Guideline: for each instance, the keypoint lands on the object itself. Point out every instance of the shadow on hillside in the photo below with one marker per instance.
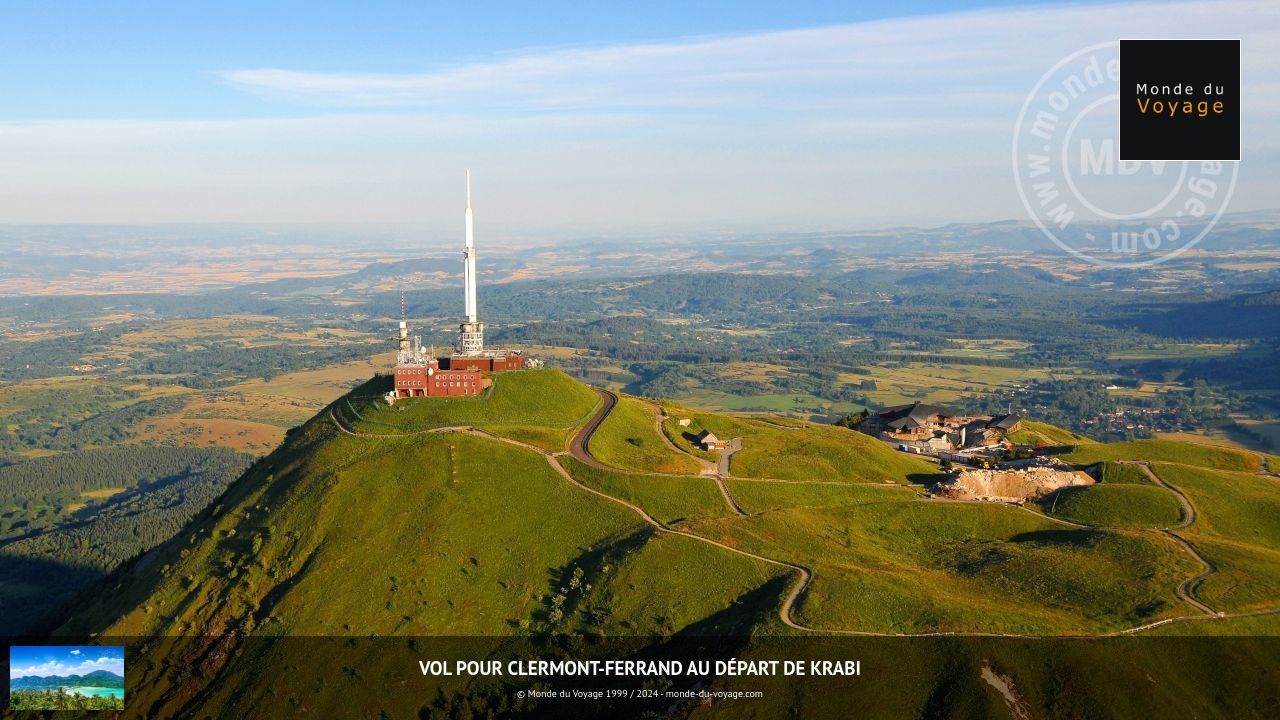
(926, 478)
(747, 612)
(570, 581)
(1074, 538)
(88, 514)
(34, 591)
(690, 438)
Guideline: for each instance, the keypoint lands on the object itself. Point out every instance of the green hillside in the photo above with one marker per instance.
(627, 440)
(543, 398)
(886, 559)
(379, 535)
(1237, 529)
(1038, 433)
(369, 523)
(1118, 505)
(668, 499)
(800, 451)
(1115, 473)
(1168, 451)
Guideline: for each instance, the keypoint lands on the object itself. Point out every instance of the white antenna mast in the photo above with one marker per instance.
(469, 258)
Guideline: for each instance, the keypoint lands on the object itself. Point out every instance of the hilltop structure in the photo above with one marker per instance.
(471, 331)
(471, 353)
(707, 440)
(937, 430)
(419, 373)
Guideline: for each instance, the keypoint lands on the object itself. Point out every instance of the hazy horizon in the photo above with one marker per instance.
(829, 121)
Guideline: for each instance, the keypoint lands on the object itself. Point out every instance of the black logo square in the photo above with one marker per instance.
(1179, 99)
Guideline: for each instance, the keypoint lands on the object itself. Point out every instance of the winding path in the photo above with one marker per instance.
(1188, 586)
(722, 472)
(579, 449)
(718, 471)
(705, 466)
(578, 445)
(1265, 469)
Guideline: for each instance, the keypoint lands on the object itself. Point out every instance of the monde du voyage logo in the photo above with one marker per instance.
(1124, 152)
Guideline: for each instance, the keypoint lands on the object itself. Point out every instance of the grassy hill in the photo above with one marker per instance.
(542, 403)
(354, 535)
(1237, 529)
(1167, 451)
(793, 450)
(627, 440)
(884, 558)
(1115, 473)
(668, 499)
(397, 531)
(539, 406)
(1118, 505)
(1038, 433)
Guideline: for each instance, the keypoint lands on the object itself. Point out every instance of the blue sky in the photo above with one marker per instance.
(43, 661)
(140, 60)
(575, 118)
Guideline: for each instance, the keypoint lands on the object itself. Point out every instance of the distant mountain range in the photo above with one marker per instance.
(97, 678)
(137, 263)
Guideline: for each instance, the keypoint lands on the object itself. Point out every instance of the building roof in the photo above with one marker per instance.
(907, 417)
(489, 353)
(706, 436)
(1004, 422)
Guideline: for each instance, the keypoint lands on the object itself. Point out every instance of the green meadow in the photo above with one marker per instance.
(666, 498)
(1166, 451)
(758, 496)
(542, 398)
(627, 439)
(1237, 529)
(888, 560)
(801, 451)
(412, 533)
(1118, 505)
(1116, 473)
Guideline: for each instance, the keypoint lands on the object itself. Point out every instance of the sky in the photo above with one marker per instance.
(574, 118)
(43, 661)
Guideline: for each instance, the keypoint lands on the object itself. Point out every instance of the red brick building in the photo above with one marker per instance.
(428, 380)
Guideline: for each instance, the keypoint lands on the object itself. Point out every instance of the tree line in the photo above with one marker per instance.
(52, 551)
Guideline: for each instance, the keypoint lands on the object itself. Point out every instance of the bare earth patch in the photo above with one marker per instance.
(1003, 684)
(1012, 486)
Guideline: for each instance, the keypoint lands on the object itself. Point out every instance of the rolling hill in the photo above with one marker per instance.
(485, 527)
(95, 679)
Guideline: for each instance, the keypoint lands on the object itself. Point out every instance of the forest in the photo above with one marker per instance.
(61, 699)
(89, 420)
(69, 519)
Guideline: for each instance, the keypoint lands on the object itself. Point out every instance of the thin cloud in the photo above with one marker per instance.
(823, 127)
(782, 70)
(54, 667)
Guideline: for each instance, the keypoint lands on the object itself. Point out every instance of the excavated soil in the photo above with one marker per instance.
(1012, 486)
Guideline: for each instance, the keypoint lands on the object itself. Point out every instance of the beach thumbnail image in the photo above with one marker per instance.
(66, 677)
